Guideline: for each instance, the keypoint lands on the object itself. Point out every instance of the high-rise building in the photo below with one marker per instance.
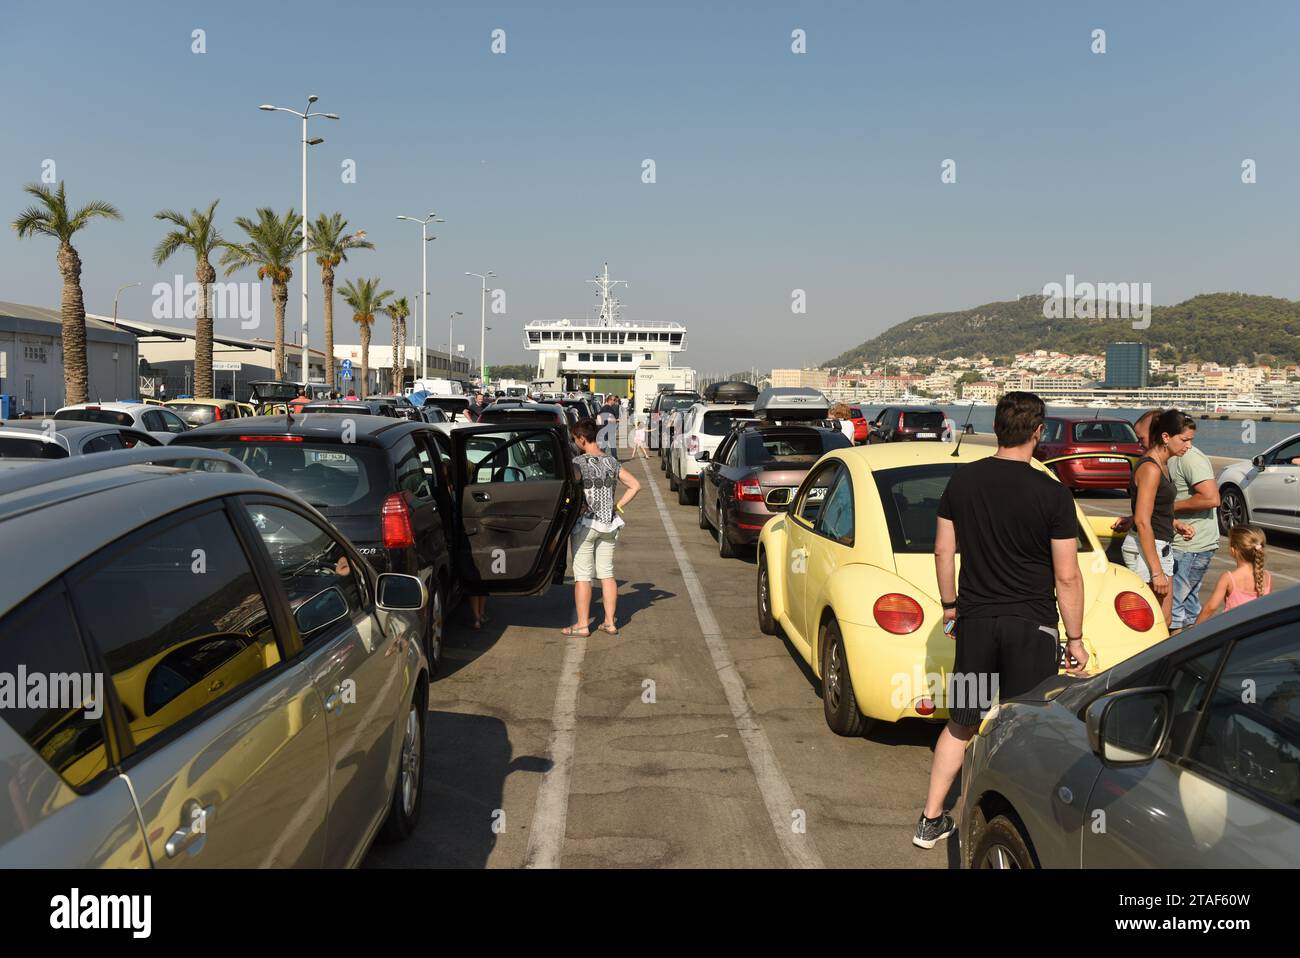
(1127, 365)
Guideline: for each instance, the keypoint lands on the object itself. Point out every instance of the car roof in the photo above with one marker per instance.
(200, 402)
(893, 455)
(71, 427)
(114, 406)
(326, 427)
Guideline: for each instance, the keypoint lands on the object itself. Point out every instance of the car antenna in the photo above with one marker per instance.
(969, 411)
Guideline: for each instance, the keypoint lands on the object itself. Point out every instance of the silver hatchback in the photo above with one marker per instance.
(1185, 756)
(175, 694)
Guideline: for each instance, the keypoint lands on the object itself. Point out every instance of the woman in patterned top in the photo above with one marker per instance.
(596, 533)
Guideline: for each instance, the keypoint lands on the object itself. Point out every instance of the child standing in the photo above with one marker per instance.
(596, 533)
(638, 440)
(1248, 580)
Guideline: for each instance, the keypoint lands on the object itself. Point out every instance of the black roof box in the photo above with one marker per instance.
(730, 392)
(789, 403)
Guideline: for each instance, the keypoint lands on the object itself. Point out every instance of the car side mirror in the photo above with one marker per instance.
(396, 592)
(1129, 727)
(702, 456)
(778, 500)
(1258, 462)
(322, 609)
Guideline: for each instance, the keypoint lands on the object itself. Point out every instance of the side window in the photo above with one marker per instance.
(1283, 455)
(106, 442)
(173, 422)
(1251, 730)
(836, 519)
(733, 453)
(813, 494)
(1052, 430)
(153, 421)
(414, 469)
(180, 621)
(513, 457)
(65, 728)
(324, 590)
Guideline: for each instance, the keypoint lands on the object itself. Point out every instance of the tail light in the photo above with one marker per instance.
(748, 490)
(900, 421)
(898, 613)
(396, 520)
(270, 438)
(1134, 611)
(216, 414)
(692, 444)
(924, 707)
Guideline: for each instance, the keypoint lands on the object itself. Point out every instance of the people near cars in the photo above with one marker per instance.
(639, 434)
(1148, 550)
(843, 420)
(596, 533)
(300, 400)
(1248, 579)
(1019, 532)
(1196, 504)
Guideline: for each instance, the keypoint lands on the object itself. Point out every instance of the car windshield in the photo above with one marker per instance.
(106, 416)
(910, 498)
(673, 403)
(344, 477)
(20, 447)
(1103, 432)
(718, 423)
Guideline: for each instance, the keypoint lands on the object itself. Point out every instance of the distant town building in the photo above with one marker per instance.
(813, 378)
(1127, 365)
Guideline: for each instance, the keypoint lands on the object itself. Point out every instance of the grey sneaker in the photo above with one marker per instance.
(930, 833)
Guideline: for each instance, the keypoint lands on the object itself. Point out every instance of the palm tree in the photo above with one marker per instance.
(199, 234)
(365, 303)
(273, 241)
(398, 310)
(51, 218)
(328, 239)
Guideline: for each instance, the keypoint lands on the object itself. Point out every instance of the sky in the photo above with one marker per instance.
(774, 171)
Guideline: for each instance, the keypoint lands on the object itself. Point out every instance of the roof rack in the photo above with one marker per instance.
(52, 470)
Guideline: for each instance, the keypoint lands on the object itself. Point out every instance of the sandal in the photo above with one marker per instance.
(609, 628)
(580, 632)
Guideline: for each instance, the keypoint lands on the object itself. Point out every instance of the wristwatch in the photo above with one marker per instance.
(948, 605)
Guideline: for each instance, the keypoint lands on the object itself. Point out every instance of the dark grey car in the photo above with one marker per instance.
(1185, 756)
(61, 438)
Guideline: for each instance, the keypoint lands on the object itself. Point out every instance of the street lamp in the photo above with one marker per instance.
(451, 337)
(304, 116)
(116, 295)
(425, 239)
(482, 338)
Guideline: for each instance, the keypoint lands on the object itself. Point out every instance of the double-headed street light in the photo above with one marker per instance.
(425, 239)
(482, 337)
(304, 116)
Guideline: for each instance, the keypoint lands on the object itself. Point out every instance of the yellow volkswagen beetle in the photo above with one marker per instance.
(847, 571)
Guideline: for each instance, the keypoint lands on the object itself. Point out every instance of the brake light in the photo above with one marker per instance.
(897, 613)
(94, 408)
(924, 707)
(748, 490)
(270, 438)
(395, 518)
(692, 444)
(900, 420)
(216, 414)
(1134, 612)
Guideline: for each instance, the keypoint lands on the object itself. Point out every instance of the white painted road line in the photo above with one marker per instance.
(799, 849)
(551, 811)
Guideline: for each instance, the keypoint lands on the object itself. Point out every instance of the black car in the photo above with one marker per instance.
(401, 405)
(901, 424)
(666, 414)
(357, 407)
(452, 406)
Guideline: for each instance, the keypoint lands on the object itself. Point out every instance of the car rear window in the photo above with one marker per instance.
(719, 423)
(196, 414)
(1103, 432)
(761, 448)
(16, 447)
(106, 416)
(673, 403)
(345, 478)
(923, 420)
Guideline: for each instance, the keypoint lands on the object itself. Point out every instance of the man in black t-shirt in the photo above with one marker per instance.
(1018, 533)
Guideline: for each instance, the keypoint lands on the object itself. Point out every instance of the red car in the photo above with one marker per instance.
(1107, 447)
(861, 428)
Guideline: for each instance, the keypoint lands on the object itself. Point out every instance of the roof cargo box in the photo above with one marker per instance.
(730, 392)
(786, 403)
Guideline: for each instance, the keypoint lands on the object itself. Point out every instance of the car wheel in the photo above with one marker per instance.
(726, 549)
(1001, 844)
(437, 627)
(838, 701)
(704, 517)
(766, 624)
(673, 484)
(1233, 510)
(684, 494)
(408, 790)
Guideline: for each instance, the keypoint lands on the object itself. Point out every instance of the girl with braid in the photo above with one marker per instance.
(1248, 580)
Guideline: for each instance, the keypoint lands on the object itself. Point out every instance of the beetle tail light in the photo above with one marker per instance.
(897, 613)
(1134, 611)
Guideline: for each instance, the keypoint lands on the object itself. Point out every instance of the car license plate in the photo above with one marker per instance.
(816, 493)
(1109, 459)
(926, 435)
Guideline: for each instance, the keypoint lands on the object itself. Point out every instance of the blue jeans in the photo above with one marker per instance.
(1189, 570)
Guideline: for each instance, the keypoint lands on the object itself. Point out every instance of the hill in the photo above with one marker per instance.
(1214, 327)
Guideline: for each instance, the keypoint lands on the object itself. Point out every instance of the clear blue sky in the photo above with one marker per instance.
(775, 171)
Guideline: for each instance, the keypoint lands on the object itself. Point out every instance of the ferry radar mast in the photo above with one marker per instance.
(609, 304)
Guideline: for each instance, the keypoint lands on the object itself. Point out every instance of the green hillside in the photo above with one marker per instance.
(1214, 327)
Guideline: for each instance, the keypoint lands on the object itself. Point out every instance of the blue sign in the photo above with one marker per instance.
(347, 369)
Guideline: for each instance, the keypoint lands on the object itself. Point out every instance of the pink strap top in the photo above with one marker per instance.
(1238, 595)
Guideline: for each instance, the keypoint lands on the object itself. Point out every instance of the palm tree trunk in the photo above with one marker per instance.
(280, 297)
(401, 362)
(73, 308)
(365, 359)
(327, 283)
(397, 383)
(204, 388)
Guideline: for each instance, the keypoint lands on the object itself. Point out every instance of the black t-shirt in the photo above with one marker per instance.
(1006, 513)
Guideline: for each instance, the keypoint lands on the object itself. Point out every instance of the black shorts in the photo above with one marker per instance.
(997, 658)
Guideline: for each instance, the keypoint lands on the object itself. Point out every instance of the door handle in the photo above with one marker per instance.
(332, 701)
(1289, 479)
(188, 834)
(481, 496)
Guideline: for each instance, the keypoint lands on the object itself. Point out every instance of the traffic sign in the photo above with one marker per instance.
(347, 369)
(227, 367)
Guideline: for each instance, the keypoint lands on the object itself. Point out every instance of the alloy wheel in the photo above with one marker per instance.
(411, 757)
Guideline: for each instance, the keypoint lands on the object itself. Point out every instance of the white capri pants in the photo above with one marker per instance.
(593, 552)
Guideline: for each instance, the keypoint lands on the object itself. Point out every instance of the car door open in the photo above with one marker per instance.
(517, 500)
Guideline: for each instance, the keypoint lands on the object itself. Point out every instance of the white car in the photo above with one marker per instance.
(1264, 491)
(703, 428)
(159, 421)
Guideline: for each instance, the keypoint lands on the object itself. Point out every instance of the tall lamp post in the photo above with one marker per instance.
(425, 239)
(451, 338)
(304, 116)
(116, 295)
(482, 336)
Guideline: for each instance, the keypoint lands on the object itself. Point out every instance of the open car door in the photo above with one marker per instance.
(517, 499)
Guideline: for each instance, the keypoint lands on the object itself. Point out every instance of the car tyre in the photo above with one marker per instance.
(838, 701)
(683, 494)
(766, 623)
(673, 484)
(437, 628)
(1002, 844)
(704, 516)
(408, 790)
(1232, 510)
(726, 549)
